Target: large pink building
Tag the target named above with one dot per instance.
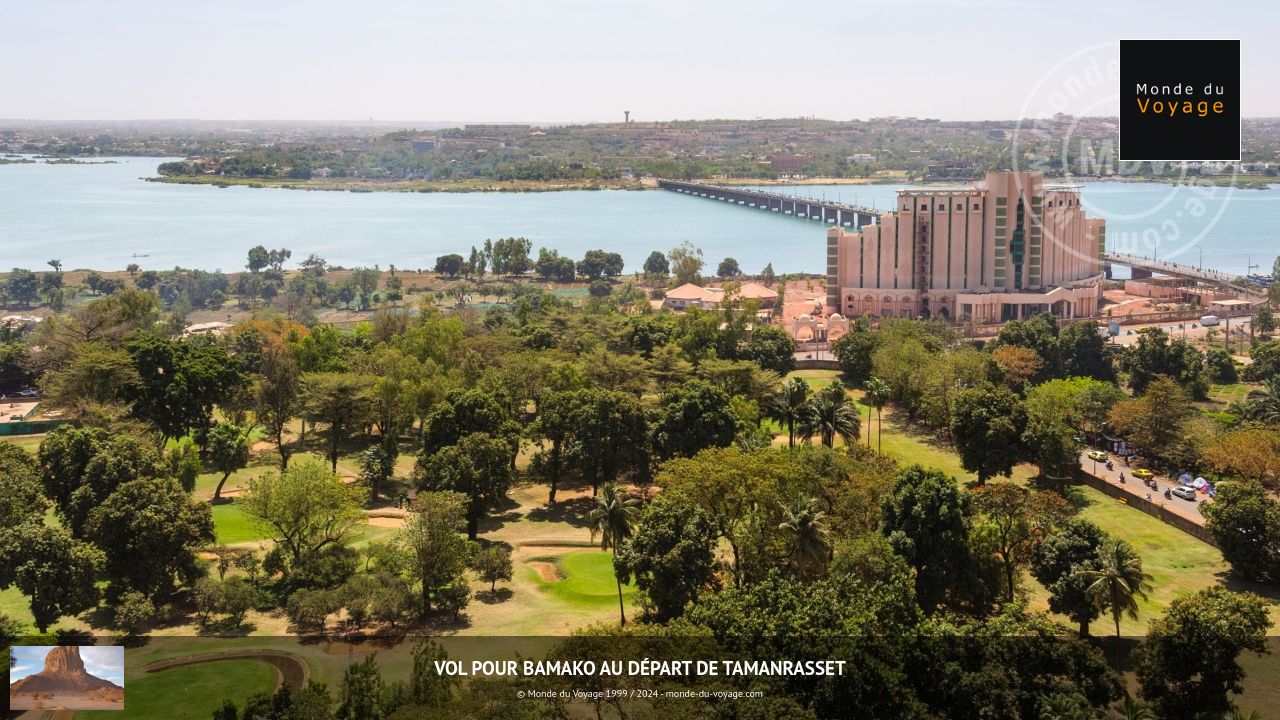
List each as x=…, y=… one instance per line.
x=1005, y=248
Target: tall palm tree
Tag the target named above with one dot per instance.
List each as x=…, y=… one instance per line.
x=877, y=395
x=806, y=523
x=1263, y=404
x=790, y=407
x=1118, y=583
x=612, y=518
x=828, y=418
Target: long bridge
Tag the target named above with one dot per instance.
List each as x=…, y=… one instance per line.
x=830, y=213
x=1144, y=267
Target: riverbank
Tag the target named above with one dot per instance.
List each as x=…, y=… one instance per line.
x=403, y=186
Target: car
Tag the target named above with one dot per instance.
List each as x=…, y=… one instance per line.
x=1185, y=492
x=1143, y=473
x=1098, y=455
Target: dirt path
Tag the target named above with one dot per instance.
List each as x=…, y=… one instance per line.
x=289, y=668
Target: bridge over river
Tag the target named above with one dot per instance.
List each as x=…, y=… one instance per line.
x=830, y=213
x=1144, y=267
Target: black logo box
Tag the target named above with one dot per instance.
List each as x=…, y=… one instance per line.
x=1187, y=65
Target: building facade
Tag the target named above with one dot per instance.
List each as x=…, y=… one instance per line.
x=1003, y=249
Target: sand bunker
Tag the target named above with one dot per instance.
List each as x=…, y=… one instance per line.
x=547, y=572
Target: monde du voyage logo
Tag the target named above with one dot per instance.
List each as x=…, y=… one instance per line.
x=1180, y=100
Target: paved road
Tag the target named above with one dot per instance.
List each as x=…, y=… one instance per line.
x=1133, y=486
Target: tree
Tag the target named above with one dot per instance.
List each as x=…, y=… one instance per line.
x=693, y=416
x=600, y=289
x=671, y=556
x=1263, y=403
x=768, y=275
x=986, y=427
x=307, y=508
x=97, y=373
x=1017, y=364
x=1155, y=355
x=81, y=467
x=805, y=525
x=612, y=518
x=831, y=417
x=132, y=612
x=228, y=446
x=21, y=494
x=790, y=406
x=656, y=265
x=1118, y=582
x=1016, y=520
x=1264, y=320
x=479, y=467
x=1245, y=522
x=338, y=400
x=461, y=413
x=1189, y=665
x=362, y=690
x=1250, y=453
x=1038, y=333
x=1084, y=352
x=277, y=398
x=598, y=264
x=182, y=382
x=686, y=263
x=493, y=564
x=927, y=522
x=150, y=531
x=450, y=265
x=854, y=350
x=1155, y=422
x=258, y=258
x=728, y=269
x=236, y=598
x=1060, y=562
x=877, y=396
x=377, y=465
x=53, y=569
x=23, y=286
x=432, y=535
x=772, y=348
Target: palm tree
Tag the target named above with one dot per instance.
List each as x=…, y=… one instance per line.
x=790, y=407
x=1133, y=709
x=1263, y=404
x=1118, y=583
x=877, y=395
x=806, y=523
x=828, y=418
x=612, y=518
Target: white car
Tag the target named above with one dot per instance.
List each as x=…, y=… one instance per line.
x=1184, y=492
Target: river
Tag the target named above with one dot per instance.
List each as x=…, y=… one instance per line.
x=103, y=216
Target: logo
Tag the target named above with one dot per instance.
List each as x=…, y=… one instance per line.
x=1180, y=100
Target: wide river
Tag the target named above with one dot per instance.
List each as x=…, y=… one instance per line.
x=104, y=216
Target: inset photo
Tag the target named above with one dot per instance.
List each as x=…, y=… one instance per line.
x=66, y=677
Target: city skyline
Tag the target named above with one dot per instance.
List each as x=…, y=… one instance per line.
x=571, y=61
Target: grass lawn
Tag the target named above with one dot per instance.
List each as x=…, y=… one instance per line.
x=586, y=579
x=30, y=443
x=233, y=526
x=190, y=691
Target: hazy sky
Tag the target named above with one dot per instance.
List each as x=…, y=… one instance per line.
x=580, y=60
